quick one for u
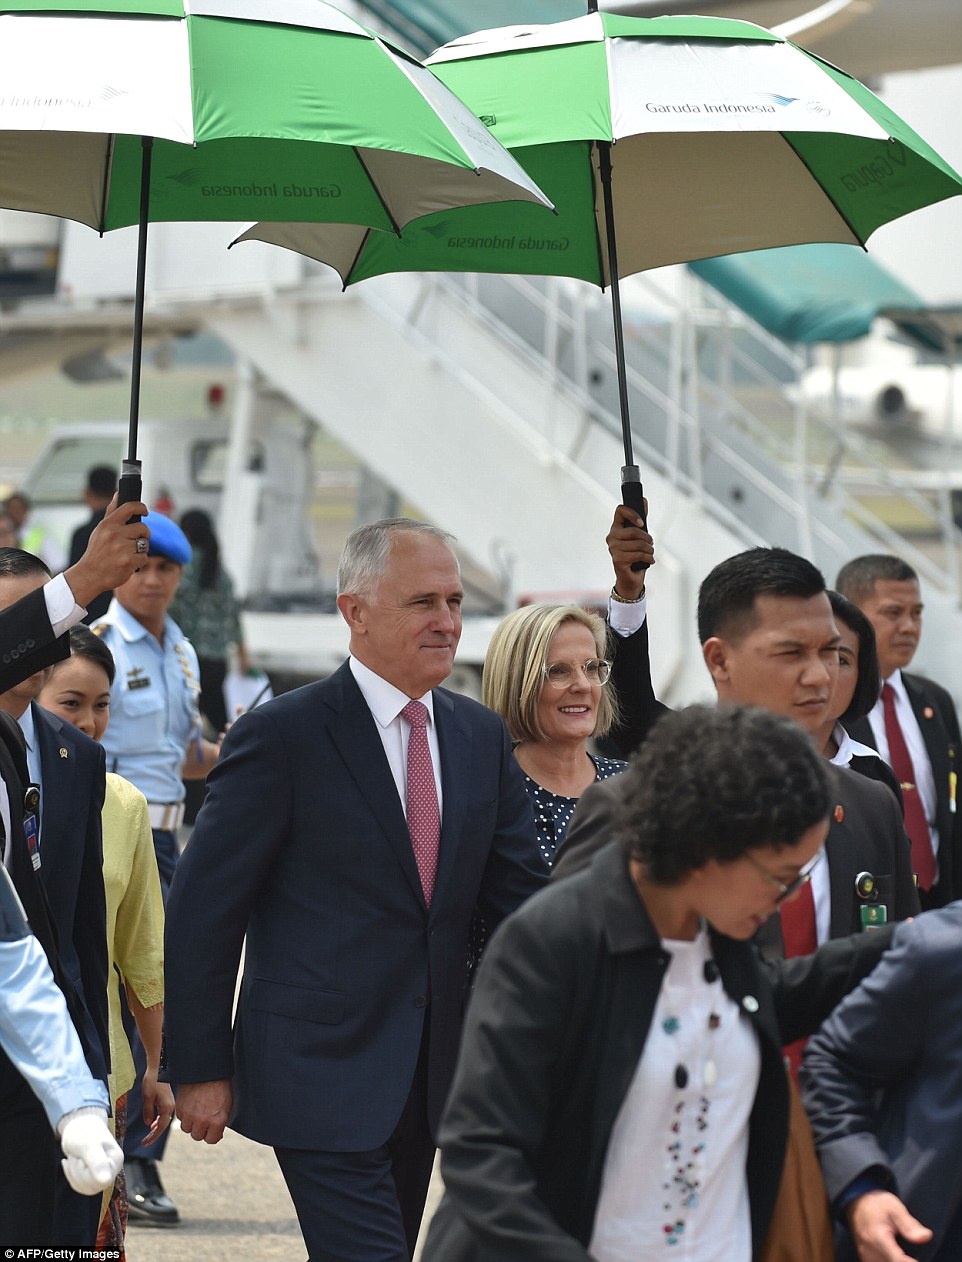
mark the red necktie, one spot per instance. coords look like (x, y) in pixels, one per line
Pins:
(424, 820)
(916, 825)
(800, 938)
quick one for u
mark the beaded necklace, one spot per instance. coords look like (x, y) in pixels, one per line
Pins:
(683, 1157)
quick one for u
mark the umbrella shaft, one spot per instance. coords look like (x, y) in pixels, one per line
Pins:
(139, 298)
(604, 162)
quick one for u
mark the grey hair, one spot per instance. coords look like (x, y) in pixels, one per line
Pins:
(365, 554)
(856, 579)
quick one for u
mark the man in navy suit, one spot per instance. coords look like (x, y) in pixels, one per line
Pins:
(69, 770)
(355, 973)
(882, 1084)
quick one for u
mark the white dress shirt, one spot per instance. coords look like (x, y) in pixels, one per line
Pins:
(625, 618)
(643, 1186)
(386, 703)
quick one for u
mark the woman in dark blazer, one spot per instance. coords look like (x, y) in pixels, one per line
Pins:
(569, 1016)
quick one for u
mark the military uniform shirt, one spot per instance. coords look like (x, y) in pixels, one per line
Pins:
(154, 715)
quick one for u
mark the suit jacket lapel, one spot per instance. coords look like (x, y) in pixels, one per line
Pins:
(933, 734)
(354, 733)
(58, 777)
(838, 846)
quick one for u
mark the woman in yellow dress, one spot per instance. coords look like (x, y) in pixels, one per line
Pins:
(78, 691)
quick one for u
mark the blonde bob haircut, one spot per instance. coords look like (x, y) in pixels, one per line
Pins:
(513, 678)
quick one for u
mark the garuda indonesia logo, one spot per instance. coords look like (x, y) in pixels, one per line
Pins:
(776, 98)
(189, 178)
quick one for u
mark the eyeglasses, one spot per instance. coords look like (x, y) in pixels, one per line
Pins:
(560, 674)
(786, 891)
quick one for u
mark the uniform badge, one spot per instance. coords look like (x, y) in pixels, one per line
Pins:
(137, 679)
(64, 753)
(929, 712)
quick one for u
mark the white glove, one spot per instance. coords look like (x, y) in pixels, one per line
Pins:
(92, 1157)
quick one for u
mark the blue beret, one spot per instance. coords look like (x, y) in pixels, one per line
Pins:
(167, 539)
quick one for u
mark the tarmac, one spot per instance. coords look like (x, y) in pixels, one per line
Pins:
(233, 1204)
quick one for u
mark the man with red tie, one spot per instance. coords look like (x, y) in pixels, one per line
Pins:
(769, 639)
(350, 830)
(914, 725)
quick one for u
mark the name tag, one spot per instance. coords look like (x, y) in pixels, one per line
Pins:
(33, 844)
(134, 684)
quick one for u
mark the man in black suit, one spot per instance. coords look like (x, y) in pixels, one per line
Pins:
(914, 719)
(68, 769)
(350, 831)
(32, 636)
(769, 639)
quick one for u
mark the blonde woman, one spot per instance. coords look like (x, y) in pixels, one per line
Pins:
(546, 673)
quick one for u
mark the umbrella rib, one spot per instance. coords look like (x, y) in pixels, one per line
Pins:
(384, 205)
(594, 197)
(346, 279)
(838, 210)
(105, 190)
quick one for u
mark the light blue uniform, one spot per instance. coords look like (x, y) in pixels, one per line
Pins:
(154, 718)
(35, 1029)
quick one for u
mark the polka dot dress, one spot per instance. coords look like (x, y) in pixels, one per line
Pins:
(552, 812)
(552, 815)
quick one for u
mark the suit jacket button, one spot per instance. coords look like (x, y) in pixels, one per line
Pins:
(420, 1001)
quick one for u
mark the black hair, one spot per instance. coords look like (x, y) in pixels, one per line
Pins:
(84, 643)
(726, 598)
(857, 578)
(869, 682)
(199, 529)
(101, 481)
(715, 782)
(16, 563)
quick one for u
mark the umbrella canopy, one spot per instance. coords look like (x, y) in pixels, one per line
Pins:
(724, 138)
(275, 108)
(115, 112)
(660, 140)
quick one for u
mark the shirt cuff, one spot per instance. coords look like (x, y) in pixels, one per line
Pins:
(870, 1181)
(62, 610)
(625, 619)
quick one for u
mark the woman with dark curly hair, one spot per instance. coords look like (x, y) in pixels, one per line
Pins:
(620, 1088)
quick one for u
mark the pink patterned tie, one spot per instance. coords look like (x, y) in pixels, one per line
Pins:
(424, 820)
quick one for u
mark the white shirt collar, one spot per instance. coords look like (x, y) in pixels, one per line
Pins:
(849, 749)
(898, 686)
(384, 700)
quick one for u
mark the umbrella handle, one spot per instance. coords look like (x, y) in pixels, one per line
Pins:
(633, 496)
(130, 488)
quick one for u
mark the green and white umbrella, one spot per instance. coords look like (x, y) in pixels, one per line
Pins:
(660, 140)
(116, 112)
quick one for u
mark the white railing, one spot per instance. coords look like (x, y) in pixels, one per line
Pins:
(693, 361)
